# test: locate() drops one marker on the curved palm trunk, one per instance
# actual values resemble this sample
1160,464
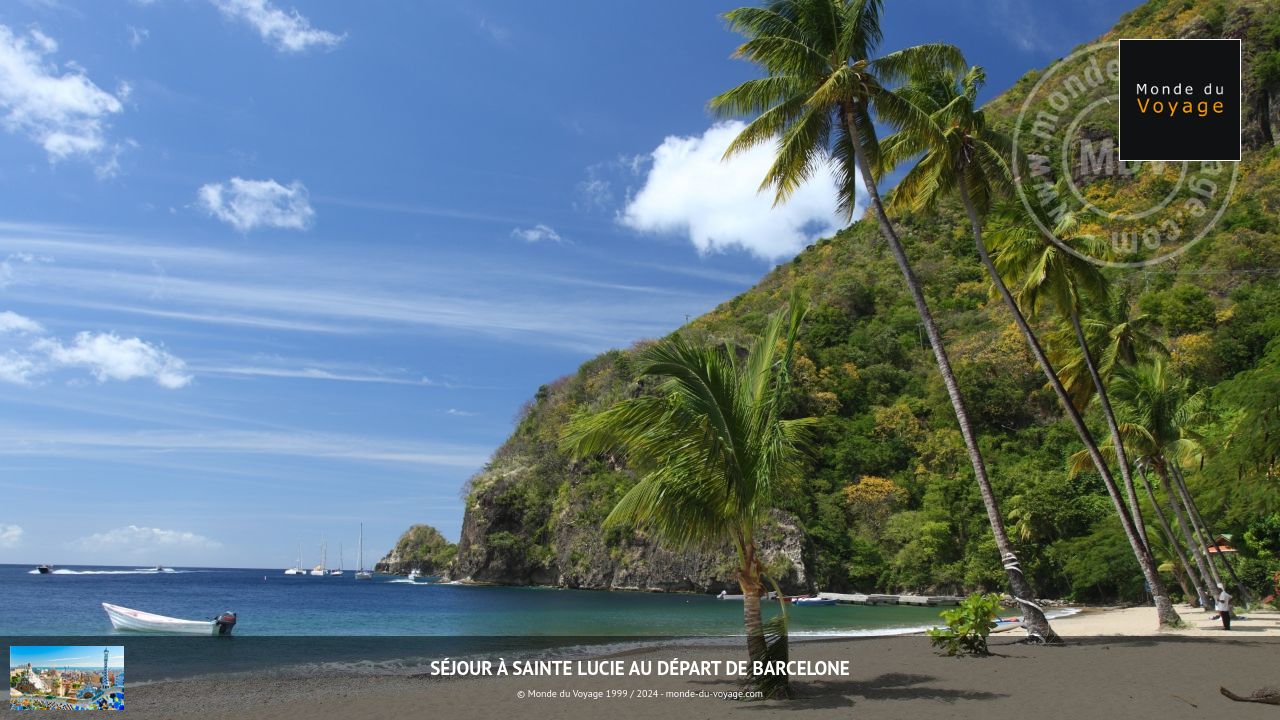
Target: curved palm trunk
1179,512
1168,617
752,589
1131,494
1207,534
1033,619
1201,597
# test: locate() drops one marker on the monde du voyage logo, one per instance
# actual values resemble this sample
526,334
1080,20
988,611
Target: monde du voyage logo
1180,100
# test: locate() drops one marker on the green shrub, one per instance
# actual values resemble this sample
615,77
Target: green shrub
967,625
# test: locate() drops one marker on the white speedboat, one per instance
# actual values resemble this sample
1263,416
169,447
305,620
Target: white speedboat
123,618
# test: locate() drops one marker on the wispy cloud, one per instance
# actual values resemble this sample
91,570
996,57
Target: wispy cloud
349,294
61,109
143,541
312,373
137,35
537,233
249,204
10,536
29,441
287,31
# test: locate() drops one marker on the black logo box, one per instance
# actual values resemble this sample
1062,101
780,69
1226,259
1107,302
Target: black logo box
1180,63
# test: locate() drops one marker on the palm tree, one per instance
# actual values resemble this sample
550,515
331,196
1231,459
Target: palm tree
711,450
960,154
821,85
1165,416
1174,546
1046,273
1155,407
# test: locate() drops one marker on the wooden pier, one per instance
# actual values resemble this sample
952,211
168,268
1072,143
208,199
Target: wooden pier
920,600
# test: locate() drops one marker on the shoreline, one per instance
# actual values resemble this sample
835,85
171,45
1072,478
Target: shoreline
1129,670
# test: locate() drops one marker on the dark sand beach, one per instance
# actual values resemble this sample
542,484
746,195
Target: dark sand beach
1166,676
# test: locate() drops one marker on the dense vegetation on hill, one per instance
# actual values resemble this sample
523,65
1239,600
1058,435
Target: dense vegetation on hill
420,548
888,500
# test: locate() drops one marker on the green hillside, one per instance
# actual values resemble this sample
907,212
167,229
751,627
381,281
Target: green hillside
888,502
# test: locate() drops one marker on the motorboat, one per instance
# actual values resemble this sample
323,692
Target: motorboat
813,601
123,618
44,569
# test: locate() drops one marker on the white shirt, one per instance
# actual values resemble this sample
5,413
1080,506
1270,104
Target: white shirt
1224,602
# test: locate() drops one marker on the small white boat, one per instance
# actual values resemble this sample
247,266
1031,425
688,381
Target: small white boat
319,570
414,576
335,573
361,573
297,569
123,618
813,601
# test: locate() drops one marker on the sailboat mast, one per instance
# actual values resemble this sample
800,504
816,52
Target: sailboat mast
361,546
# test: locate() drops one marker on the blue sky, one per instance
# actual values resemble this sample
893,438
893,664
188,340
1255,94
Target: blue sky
65,656
269,269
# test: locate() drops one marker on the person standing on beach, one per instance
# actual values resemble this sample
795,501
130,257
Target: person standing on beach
1223,606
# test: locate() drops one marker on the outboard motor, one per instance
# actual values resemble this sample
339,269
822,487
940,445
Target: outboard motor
225,622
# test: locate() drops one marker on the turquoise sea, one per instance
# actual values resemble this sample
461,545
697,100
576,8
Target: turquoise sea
69,602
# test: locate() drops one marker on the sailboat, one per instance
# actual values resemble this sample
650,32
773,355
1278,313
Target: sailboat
297,569
319,569
339,570
361,573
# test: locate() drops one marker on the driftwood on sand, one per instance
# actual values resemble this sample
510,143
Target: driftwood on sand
1268,696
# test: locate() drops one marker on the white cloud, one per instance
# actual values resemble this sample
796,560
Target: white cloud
537,233
248,204
111,357
141,540
287,31
10,536
460,413
59,108
12,322
17,369
691,190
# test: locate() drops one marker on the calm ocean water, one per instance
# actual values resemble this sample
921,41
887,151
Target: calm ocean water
69,602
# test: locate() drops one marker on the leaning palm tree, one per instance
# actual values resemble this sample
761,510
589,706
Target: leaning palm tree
711,450
960,154
1162,415
822,85
1191,585
1044,273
